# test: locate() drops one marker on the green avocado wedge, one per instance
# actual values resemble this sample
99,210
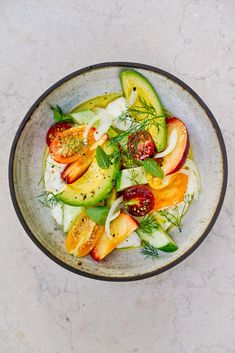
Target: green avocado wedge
93,186
99,101
132,80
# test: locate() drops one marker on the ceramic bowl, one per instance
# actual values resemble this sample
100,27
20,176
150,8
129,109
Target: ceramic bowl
25,168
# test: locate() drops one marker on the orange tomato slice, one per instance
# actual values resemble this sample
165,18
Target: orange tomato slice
68,146
172,193
83,236
156,183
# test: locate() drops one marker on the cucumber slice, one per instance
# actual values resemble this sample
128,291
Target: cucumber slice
57,214
70,213
159,239
130,80
82,117
129,177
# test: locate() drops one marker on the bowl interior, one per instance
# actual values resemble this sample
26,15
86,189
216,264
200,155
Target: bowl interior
27,170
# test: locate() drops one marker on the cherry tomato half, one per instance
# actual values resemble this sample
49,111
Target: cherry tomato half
139,200
56,129
141,145
68,146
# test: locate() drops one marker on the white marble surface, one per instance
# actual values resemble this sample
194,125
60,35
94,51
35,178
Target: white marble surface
44,308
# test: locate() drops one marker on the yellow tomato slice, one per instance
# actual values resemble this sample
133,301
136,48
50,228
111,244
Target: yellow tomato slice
83,236
172,193
156,183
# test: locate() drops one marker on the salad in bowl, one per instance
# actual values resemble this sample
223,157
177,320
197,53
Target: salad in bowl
119,172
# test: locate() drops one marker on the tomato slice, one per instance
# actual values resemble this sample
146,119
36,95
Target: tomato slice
83,236
56,129
141,145
171,194
139,200
68,146
75,170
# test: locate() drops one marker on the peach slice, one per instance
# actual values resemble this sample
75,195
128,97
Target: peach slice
120,228
173,161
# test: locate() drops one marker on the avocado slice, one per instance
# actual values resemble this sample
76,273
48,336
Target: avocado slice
94,185
112,196
99,101
130,80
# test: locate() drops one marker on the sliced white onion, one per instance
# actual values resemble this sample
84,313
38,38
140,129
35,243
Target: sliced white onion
89,126
133,97
194,178
111,214
193,167
105,122
115,215
172,141
184,171
117,108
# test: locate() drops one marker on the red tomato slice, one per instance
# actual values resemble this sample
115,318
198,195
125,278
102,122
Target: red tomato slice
68,146
55,130
139,200
141,145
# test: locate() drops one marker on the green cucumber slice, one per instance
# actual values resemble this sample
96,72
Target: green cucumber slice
129,177
159,239
70,213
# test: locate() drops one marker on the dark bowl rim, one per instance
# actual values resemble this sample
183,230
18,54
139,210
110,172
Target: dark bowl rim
135,66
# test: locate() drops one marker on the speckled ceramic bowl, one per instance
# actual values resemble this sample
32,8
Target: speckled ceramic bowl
25,169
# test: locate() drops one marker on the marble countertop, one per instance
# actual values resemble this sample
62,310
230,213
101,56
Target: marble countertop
44,308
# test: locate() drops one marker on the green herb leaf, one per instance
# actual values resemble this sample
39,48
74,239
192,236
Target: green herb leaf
149,251
149,223
176,215
48,199
151,166
98,214
59,115
102,158
148,116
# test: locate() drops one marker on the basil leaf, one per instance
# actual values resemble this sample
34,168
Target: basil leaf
59,115
102,158
98,214
151,166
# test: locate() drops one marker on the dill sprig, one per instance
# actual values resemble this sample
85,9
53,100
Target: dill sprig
70,145
147,117
48,199
115,156
175,217
149,223
149,251
144,108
